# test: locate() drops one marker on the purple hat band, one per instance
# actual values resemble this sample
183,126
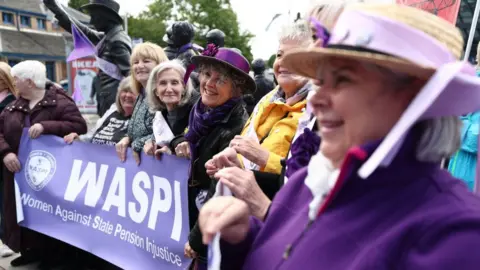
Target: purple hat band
233,58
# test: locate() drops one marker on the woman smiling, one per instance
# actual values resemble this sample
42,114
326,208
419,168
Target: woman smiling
171,99
144,58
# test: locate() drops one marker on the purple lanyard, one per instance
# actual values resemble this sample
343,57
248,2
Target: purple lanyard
26,121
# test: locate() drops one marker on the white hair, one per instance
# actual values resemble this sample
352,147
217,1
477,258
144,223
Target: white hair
327,11
31,70
154,102
440,137
297,32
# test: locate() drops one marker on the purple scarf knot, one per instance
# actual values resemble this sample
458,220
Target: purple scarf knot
304,147
202,121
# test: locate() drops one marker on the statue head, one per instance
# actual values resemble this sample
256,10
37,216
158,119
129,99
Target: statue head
258,66
182,33
168,35
216,37
103,14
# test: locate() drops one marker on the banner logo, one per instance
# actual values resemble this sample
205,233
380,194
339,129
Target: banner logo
40,167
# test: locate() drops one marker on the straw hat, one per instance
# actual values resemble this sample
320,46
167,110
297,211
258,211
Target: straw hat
398,37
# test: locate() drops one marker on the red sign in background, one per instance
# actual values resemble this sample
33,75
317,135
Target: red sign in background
447,9
82,72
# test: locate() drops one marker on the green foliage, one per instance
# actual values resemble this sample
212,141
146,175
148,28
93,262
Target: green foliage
76,4
271,60
203,14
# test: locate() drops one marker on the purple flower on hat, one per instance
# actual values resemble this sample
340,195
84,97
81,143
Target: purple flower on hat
320,31
211,50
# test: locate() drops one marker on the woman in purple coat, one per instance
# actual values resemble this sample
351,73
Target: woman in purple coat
374,196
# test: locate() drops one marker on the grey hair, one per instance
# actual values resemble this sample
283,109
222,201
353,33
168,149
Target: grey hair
32,70
297,32
155,104
125,86
327,11
440,137
238,82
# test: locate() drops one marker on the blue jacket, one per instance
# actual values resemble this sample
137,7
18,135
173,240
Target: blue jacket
462,165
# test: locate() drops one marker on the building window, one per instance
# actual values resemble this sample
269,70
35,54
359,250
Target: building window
25,21
7,18
42,25
50,70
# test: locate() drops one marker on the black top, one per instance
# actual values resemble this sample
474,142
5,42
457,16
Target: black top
214,143
113,129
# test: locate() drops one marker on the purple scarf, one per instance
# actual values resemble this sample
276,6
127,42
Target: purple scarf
304,147
203,121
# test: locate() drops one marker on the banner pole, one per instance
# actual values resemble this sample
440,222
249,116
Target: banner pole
472,31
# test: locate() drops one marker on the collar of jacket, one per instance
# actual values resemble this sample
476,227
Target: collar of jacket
113,31
21,104
237,110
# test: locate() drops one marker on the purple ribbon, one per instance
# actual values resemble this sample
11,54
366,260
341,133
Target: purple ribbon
321,31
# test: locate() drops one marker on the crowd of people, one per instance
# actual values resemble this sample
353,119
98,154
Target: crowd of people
325,174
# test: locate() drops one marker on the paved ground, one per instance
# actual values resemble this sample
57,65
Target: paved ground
5,262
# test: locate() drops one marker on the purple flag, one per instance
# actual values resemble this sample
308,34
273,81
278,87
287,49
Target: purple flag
77,91
133,216
82,45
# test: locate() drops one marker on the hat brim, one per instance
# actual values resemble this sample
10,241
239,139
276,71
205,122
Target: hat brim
250,86
96,5
306,62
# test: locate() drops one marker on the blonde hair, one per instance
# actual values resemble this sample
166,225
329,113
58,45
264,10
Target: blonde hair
7,78
146,50
154,101
125,86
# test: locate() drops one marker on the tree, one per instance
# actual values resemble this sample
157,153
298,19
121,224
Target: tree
203,14
271,60
209,14
76,4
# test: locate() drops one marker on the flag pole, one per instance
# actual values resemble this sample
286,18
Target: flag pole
472,31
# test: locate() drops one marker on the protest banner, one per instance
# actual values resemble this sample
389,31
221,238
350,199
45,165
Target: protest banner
135,217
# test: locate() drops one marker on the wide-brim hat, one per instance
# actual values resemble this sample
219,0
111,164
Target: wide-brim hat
108,5
395,36
232,60
402,39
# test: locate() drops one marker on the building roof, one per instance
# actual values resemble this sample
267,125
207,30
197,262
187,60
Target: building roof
29,45
36,7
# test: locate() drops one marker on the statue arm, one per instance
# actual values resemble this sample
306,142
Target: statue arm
65,21
121,56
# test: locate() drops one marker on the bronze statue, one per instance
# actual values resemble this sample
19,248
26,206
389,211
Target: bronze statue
114,45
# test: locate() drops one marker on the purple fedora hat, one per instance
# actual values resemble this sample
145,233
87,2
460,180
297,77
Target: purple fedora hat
231,59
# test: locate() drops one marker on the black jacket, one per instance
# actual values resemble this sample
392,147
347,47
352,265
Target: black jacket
210,145
264,86
116,49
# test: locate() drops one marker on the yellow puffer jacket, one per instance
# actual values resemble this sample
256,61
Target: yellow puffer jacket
275,123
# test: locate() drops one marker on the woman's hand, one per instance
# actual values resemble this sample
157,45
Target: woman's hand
35,131
189,252
121,148
227,158
183,150
161,151
227,215
71,137
149,148
244,186
250,149
12,163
